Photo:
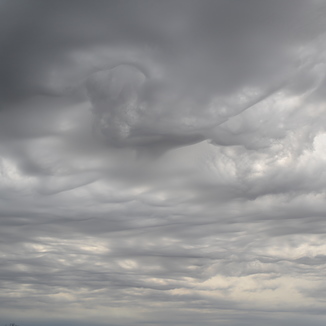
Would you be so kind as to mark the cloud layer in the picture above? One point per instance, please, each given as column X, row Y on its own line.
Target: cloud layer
column 162, row 163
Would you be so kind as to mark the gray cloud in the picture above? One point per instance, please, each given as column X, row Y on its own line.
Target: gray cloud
column 162, row 162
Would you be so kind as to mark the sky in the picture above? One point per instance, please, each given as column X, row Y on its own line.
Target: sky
column 162, row 162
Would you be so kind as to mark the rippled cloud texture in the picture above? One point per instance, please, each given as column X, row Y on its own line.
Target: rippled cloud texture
column 163, row 162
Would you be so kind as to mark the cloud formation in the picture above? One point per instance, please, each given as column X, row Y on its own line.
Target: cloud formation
column 162, row 162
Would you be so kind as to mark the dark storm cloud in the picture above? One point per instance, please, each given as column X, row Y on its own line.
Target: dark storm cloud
column 223, row 57
column 162, row 162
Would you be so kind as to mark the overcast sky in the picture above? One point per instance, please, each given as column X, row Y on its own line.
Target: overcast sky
column 163, row 162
